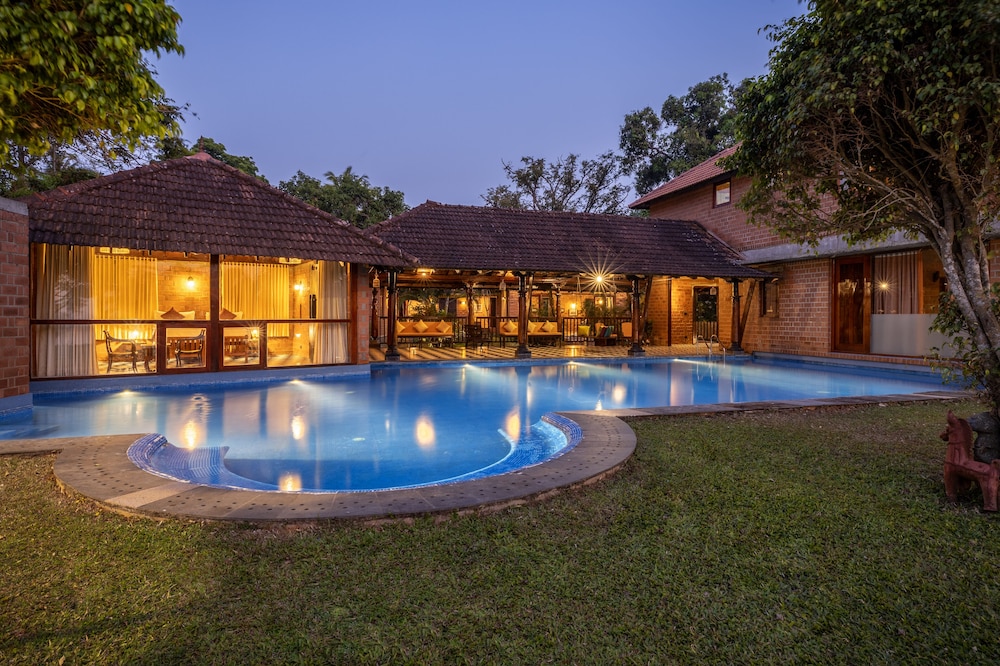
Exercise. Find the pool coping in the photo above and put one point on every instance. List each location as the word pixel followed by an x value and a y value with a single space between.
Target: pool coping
pixel 99 468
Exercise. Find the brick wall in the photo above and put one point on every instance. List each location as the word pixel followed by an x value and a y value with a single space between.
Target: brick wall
pixel 727 222
pixel 802 323
pixel 14 281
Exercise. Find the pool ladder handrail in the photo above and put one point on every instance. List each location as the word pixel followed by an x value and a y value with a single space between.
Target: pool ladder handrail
pixel 712 340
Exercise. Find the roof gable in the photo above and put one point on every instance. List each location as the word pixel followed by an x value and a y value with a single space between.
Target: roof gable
pixel 198 204
pixel 696 175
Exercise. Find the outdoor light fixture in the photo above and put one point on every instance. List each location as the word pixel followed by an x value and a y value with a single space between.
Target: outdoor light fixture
pixel 190 282
pixel 298 286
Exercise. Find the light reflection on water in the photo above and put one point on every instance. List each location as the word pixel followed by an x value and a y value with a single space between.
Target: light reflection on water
pixel 409 426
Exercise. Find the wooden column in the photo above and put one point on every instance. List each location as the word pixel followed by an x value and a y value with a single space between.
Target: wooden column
pixel 391 352
pixel 736 334
pixel 636 348
pixel 523 303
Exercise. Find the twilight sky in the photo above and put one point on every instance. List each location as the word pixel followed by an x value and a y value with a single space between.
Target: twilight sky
pixel 430 96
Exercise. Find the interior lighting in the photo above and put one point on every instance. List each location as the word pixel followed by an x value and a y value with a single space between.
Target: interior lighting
pixel 883 286
pixel 190 282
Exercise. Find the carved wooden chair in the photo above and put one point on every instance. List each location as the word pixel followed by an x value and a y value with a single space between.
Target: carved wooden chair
pixel 120 349
pixel 190 349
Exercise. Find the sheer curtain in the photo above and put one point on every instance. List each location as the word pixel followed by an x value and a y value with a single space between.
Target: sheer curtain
pixel 260 291
pixel 63 290
pixel 331 303
pixel 124 288
pixel 897 283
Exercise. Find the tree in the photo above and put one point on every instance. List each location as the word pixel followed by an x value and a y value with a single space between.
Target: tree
pixel 350 197
pixel 890 110
pixel 570 184
pixel 218 151
pixel 687 131
pixel 73 66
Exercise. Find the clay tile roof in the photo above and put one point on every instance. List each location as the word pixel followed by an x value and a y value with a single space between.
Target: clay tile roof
pixel 472 238
pixel 198 204
pixel 696 175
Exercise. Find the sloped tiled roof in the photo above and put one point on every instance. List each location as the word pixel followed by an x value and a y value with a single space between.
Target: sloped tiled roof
pixel 198 204
pixel 696 175
pixel 473 238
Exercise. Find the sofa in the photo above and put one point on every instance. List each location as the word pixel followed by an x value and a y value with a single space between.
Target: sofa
pixel 538 331
pixel 437 332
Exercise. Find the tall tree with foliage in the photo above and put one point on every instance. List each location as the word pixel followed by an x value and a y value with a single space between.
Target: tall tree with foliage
pixel 567 184
pixel 73 66
pixel 348 196
pixel 890 109
pixel 687 131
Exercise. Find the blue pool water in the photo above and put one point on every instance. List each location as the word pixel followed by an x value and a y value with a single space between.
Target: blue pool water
pixel 414 426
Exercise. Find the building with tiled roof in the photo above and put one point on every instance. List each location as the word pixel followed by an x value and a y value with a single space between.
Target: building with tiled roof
pixel 190 265
pixel 867 301
pixel 565 263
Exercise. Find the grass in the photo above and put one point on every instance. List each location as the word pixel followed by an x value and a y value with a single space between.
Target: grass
pixel 792 537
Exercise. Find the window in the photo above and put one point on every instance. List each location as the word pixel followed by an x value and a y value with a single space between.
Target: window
pixel 722 193
pixel 769 298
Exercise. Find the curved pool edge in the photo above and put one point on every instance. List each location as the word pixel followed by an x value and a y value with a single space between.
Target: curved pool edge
pixel 99 468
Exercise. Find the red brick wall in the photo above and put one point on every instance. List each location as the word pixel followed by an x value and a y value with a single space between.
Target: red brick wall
pixel 802 324
pixel 727 222
pixel 14 337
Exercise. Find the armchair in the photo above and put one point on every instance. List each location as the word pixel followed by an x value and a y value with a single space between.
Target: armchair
pixel 120 349
pixel 190 349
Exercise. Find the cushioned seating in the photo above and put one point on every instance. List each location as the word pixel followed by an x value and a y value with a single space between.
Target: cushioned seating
pixel 442 331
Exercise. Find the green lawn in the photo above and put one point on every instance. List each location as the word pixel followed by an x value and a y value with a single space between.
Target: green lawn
pixel 814 536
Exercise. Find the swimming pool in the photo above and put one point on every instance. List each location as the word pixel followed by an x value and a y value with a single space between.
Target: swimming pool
pixel 413 426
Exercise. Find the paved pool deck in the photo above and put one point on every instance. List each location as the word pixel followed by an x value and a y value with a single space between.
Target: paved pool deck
pixel 99 468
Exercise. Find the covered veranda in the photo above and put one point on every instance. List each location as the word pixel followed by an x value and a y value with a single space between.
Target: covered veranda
pixel 522 284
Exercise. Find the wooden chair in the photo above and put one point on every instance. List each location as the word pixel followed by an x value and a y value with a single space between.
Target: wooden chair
pixel 961 468
pixel 190 348
pixel 475 336
pixel 120 349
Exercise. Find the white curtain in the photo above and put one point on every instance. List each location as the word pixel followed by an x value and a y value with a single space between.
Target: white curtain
pixel 331 303
pixel 260 291
pixel 63 290
pixel 124 288
pixel 897 283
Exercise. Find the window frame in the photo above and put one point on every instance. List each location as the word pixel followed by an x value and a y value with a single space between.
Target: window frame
pixel 719 187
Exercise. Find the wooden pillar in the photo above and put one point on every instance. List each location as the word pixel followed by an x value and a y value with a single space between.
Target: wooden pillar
pixel 636 348
pixel 373 327
pixel 470 316
pixel 523 303
pixel 558 309
pixel 736 334
pixel 391 352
